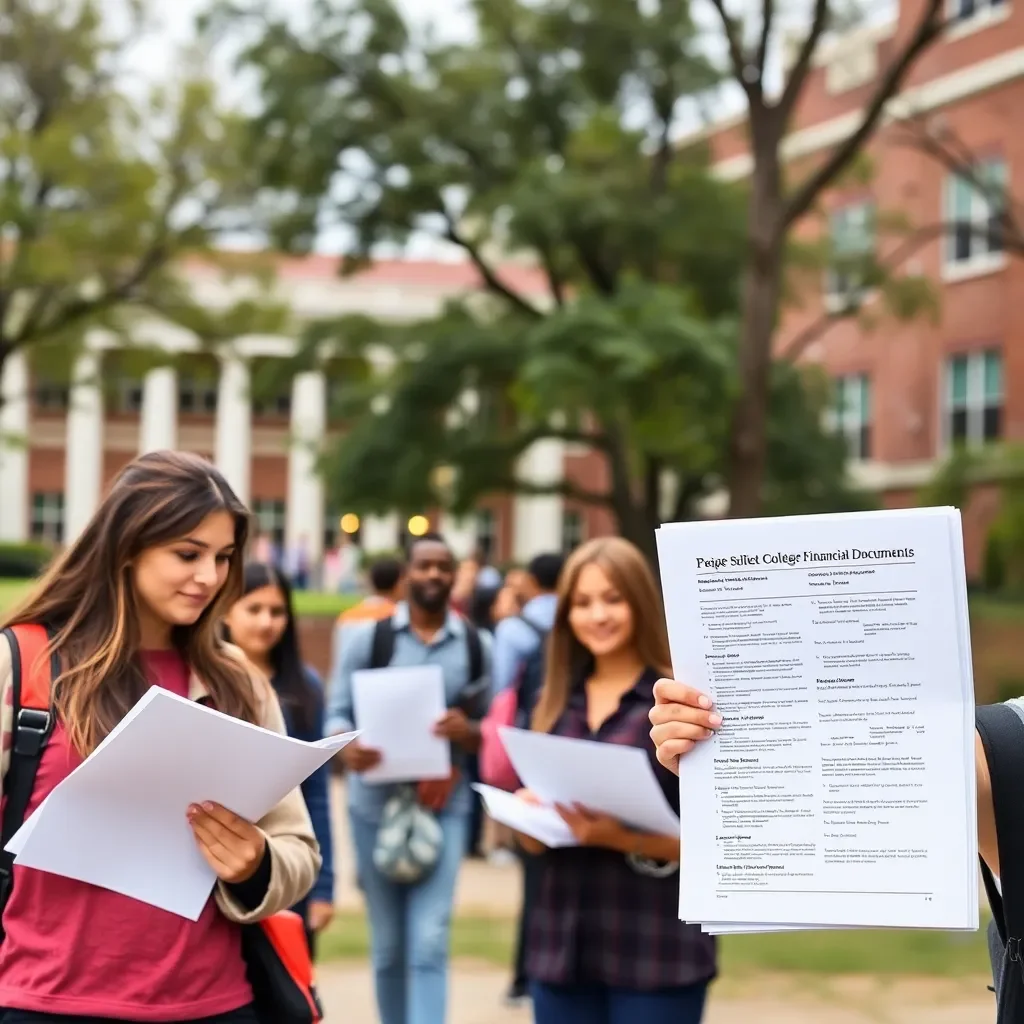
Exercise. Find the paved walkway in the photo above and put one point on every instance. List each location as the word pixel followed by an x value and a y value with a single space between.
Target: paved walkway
pixel 477 991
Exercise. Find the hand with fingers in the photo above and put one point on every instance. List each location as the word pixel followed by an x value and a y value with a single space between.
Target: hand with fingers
pixel 232 846
pixel 681 718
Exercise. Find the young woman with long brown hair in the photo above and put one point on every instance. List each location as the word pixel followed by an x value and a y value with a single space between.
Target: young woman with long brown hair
pixel 135 602
pixel 604 943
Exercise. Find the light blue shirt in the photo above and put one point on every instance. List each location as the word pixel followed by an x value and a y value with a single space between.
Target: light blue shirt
pixel 448 649
pixel 514 641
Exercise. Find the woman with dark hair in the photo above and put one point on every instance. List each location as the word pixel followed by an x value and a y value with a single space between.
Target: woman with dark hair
pixel 262 624
pixel 133 603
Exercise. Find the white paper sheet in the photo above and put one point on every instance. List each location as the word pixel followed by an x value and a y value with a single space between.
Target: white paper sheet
pixel 119 819
pixel 396 710
pixel 829 798
pixel 544 824
pixel 603 777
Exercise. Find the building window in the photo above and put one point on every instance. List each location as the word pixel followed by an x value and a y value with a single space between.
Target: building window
pixel 47 523
pixel 974 214
pixel 270 514
pixel 50 396
pixel 127 392
pixel 487 532
pixel 572 530
pixel 276 406
pixel 197 395
pixel 974 397
pixel 851 415
pixel 851 244
pixel 966 10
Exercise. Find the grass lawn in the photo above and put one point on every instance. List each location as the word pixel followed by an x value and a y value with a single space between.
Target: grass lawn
pixel 306 602
pixel 852 952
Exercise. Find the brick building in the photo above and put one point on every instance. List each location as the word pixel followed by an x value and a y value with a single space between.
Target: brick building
pixel 907 389
pixel 79 437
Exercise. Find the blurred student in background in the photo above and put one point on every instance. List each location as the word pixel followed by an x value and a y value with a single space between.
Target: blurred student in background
pixel 262 623
pixel 387 587
pixel 604 943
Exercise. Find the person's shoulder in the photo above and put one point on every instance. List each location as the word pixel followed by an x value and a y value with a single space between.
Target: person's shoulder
pixel 313 678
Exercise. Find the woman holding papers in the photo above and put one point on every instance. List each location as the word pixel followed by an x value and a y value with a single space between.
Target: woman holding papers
pixel 135 602
pixel 604 943
pixel 262 624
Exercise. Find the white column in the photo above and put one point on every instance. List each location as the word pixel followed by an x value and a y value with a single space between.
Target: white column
pixel 379 533
pixel 305 488
pixel 158 428
pixel 460 532
pixel 14 496
pixel 538 519
pixel 83 451
pixel 233 444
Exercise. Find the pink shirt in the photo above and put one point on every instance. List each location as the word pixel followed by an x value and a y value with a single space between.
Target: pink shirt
pixel 73 948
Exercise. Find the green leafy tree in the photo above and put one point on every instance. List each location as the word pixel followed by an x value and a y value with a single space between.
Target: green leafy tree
pixel 102 196
pixel 550 137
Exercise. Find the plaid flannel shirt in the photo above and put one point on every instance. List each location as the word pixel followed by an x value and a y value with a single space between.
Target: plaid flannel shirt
pixel 595 919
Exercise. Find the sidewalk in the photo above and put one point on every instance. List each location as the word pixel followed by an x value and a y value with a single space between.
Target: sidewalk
pixel 477 991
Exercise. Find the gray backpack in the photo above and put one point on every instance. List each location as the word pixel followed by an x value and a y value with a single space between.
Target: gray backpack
pixel 409 839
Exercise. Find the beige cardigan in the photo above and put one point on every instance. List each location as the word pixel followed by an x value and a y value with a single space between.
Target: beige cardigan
pixel 294 854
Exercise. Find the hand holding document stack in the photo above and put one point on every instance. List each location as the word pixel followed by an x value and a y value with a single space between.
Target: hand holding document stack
pixel 119 820
pixel 840 791
pixel 602 777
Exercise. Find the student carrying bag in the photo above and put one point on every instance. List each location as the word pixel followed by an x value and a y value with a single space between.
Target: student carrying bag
pixel 278 963
pixel 1002 735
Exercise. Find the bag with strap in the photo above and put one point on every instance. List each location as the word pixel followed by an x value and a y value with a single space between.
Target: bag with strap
pixel 1002 735
pixel 512 707
pixel 409 839
pixel 278 962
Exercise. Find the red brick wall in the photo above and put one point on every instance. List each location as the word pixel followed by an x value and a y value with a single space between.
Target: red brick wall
pixel 270 477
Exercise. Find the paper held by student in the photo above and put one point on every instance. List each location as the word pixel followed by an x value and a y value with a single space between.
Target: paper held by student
pixel 542 823
pixel 603 777
pixel 119 819
pixel 840 791
pixel 396 711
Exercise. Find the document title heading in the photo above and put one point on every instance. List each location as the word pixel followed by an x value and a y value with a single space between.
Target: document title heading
pixel 804 557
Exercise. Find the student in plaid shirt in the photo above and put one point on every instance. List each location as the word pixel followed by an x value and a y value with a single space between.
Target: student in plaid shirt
pixel 604 943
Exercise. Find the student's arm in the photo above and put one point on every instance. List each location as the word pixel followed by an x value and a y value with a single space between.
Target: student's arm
pixel 987 843
pixel 351 652
pixel 508 656
pixel 316 791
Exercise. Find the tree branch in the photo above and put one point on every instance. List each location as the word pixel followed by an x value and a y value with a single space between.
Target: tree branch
pixel 798 345
pixel 561 488
pixel 802 65
pixel 736 54
pixel 490 278
pixel 927 29
pixel 767 17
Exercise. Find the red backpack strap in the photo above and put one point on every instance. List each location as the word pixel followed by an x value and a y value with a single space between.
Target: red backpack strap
pixel 32 719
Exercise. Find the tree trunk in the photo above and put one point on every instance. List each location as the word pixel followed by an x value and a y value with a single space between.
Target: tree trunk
pixel 761 293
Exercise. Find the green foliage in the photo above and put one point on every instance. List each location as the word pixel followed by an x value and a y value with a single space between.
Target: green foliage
pixel 548 137
pixel 102 196
pixel 23 561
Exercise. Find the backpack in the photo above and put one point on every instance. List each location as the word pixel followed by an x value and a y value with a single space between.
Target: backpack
pixel 512 707
pixel 473 697
pixel 1002 735
pixel 276 952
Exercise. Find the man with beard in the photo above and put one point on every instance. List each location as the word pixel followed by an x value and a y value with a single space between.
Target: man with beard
pixel 409 906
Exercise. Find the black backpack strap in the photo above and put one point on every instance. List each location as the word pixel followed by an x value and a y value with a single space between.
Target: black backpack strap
pixel 475 650
pixel 31 728
pixel 1002 735
pixel 383 646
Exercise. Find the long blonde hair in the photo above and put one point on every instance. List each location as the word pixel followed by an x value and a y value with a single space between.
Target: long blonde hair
pixel 629 573
pixel 87 596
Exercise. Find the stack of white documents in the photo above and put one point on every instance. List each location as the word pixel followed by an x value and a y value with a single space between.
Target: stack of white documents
pixel 605 778
pixel 840 791
pixel 119 819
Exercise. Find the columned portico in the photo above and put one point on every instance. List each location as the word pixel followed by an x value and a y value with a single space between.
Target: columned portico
pixel 305 507
pixel 14 441
pixel 83 459
pixel 233 440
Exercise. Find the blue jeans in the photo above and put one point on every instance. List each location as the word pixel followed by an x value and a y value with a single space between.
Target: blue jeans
pixel 410 926
pixel 598 1004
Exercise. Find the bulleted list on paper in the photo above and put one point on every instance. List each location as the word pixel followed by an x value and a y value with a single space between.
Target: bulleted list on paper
pixel 837 792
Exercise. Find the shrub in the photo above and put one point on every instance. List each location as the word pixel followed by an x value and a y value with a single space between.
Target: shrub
pixel 23 561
